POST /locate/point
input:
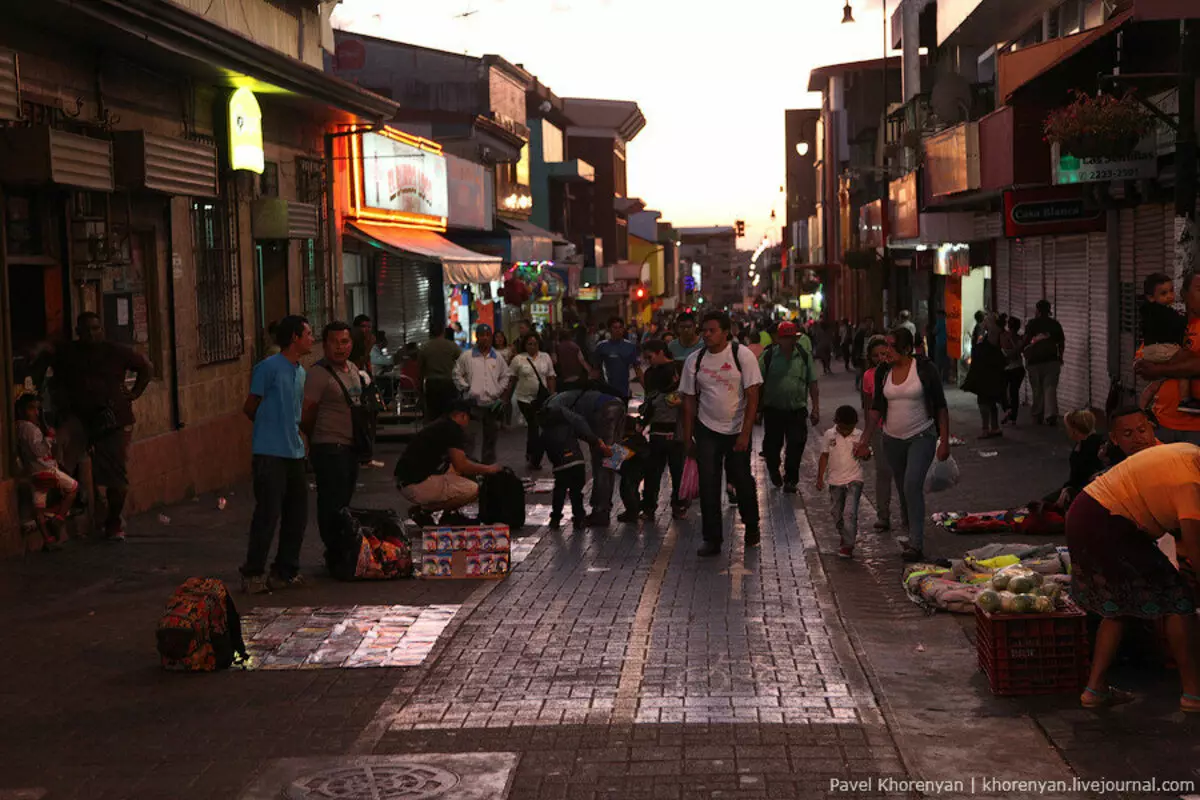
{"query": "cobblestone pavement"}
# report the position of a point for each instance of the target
(609, 664)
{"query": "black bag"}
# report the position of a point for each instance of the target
(502, 500)
(344, 546)
(360, 416)
(543, 393)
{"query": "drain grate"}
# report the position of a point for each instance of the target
(374, 782)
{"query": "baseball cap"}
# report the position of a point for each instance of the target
(786, 329)
(484, 328)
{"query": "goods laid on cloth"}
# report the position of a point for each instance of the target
(1035, 519)
(1032, 654)
(502, 500)
(469, 551)
(200, 631)
(957, 585)
(371, 545)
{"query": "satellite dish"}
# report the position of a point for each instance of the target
(951, 99)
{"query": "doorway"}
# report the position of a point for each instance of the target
(273, 291)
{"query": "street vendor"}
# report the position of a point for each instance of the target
(1118, 572)
(434, 473)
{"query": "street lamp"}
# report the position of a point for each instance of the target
(847, 13)
(801, 149)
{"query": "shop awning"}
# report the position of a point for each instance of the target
(459, 265)
(528, 242)
(1019, 68)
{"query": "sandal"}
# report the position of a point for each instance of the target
(1194, 708)
(1110, 697)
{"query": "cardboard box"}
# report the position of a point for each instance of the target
(468, 538)
(460, 565)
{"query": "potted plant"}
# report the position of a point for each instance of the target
(1103, 126)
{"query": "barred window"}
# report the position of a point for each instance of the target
(314, 254)
(218, 282)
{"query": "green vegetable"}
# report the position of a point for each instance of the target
(989, 601)
(1000, 581)
(1043, 605)
(1025, 604)
(1050, 589)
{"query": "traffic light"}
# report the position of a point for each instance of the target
(741, 228)
(639, 293)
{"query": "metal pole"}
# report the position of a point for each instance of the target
(1185, 151)
(884, 199)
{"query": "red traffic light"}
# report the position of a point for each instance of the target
(639, 293)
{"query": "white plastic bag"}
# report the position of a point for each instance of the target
(942, 475)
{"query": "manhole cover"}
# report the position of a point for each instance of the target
(374, 782)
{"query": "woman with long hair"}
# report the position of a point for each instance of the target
(910, 405)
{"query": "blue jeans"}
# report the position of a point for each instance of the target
(847, 525)
(910, 460)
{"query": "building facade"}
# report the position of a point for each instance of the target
(182, 191)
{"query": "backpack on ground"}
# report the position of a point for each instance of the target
(200, 631)
(370, 545)
(502, 500)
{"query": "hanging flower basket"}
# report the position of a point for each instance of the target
(1103, 126)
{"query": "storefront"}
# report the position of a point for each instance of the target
(397, 262)
(1057, 249)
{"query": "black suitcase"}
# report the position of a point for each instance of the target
(502, 500)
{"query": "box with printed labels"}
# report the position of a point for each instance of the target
(468, 551)
(466, 538)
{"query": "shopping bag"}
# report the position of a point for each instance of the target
(689, 481)
(942, 475)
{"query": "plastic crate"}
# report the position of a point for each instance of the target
(1032, 654)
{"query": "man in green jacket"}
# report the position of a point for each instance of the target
(788, 382)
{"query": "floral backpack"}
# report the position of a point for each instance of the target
(200, 631)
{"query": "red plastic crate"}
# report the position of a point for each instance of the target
(1029, 654)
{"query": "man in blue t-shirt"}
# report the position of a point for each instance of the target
(615, 356)
(280, 485)
(687, 338)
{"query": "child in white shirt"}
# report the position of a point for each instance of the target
(36, 451)
(845, 474)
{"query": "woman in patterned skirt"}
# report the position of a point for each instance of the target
(1118, 571)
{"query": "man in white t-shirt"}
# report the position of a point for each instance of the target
(720, 386)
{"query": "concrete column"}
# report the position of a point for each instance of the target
(910, 21)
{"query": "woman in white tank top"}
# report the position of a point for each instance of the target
(911, 408)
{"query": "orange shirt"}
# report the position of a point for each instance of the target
(1154, 489)
(1166, 403)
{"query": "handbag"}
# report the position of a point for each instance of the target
(360, 418)
(543, 393)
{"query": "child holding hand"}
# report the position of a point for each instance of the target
(844, 473)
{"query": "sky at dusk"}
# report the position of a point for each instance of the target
(712, 78)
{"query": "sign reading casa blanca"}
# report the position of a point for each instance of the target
(245, 132)
(400, 177)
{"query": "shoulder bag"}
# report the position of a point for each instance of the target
(360, 418)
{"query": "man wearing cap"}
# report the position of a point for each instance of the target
(486, 381)
(789, 380)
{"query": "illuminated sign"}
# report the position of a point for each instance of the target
(245, 132)
(589, 293)
(398, 179)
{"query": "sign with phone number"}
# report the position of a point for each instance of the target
(1071, 170)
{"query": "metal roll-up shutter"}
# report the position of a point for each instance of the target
(1034, 286)
(1096, 289)
(1153, 251)
(1002, 276)
(403, 300)
(1128, 298)
(1067, 284)
(1016, 281)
